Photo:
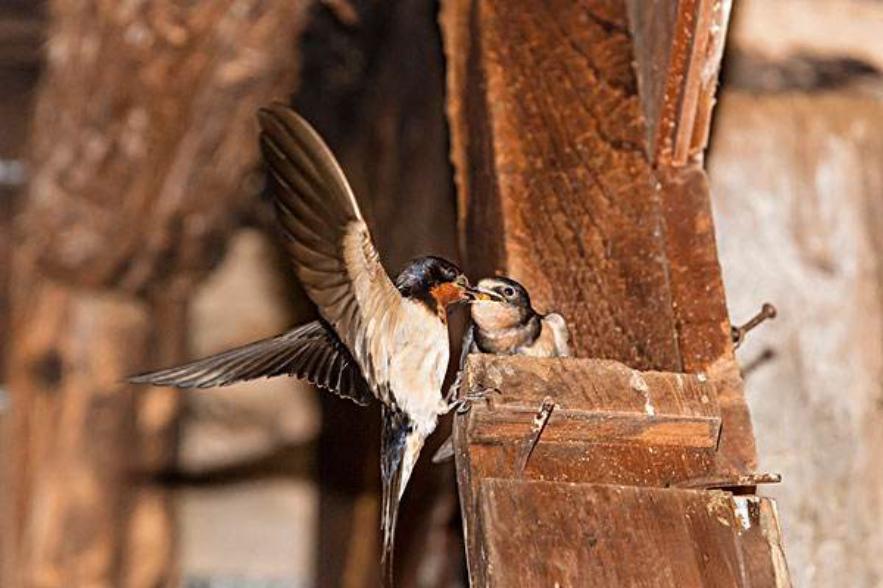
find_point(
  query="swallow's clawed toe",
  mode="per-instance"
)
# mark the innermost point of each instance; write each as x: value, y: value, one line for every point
x: 464, y: 404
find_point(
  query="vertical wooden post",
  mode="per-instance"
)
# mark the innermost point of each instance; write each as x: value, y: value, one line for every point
x: 578, y: 131
x: 20, y: 39
x: 143, y: 136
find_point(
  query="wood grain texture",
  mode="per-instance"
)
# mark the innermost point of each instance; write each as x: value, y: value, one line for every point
x: 612, y: 424
x: 678, y: 49
x: 142, y: 141
x: 595, y: 401
x: 588, y: 385
x: 761, y: 542
x: 578, y: 130
x: 702, y: 324
x: 136, y: 177
x: 701, y: 321
x: 577, y: 535
x: 555, y: 187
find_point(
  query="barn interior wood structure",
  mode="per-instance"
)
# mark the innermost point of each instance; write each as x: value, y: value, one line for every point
x: 653, y: 170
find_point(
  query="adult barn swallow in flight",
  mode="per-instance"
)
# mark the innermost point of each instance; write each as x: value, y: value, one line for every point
x: 504, y: 322
x: 375, y: 339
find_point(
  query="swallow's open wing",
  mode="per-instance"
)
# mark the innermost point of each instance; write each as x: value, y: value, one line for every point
x: 329, y: 243
x: 311, y: 352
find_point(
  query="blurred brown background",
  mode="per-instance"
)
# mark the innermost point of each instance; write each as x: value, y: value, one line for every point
x: 141, y: 238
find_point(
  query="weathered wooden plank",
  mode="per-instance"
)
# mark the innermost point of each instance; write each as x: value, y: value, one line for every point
x: 589, y: 384
x: 601, y: 462
x: 596, y: 401
x: 761, y: 542
x: 699, y: 303
x: 678, y: 48
x: 733, y: 482
x: 580, y: 176
x: 555, y: 187
x: 546, y: 534
x: 579, y: 426
x: 611, y: 424
x: 625, y: 251
x: 701, y: 322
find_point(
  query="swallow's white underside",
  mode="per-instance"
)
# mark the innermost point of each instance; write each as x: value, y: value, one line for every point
x: 418, y: 365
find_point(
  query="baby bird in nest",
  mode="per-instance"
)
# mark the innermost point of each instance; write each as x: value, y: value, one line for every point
x: 505, y: 323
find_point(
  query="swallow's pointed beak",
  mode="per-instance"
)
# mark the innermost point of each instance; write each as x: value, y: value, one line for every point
x: 477, y: 294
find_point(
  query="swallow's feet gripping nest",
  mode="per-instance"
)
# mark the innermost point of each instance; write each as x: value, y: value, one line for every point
x: 463, y: 404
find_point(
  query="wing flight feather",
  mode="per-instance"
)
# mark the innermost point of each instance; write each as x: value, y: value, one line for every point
x: 311, y: 352
x: 330, y: 244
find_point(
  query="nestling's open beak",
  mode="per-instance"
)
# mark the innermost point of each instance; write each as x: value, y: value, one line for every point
x: 476, y: 294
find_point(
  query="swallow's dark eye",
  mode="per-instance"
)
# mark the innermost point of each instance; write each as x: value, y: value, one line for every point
x: 508, y: 292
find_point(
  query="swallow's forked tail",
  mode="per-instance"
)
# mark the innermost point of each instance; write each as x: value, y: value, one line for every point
x: 399, y: 448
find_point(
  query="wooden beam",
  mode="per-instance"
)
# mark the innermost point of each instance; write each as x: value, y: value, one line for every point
x: 678, y: 48
x: 580, y: 175
x: 579, y: 535
x: 555, y: 187
x: 610, y: 424
x: 142, y: 140
x: 595, y: 401
x: 550, y: 141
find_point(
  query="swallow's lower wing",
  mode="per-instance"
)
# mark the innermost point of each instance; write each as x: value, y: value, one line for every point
x: 330, y: 245
x: 311, y: 352
x: 560, y: 333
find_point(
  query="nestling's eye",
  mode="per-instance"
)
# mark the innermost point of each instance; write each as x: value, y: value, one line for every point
x: 461, y: 281
x: 508, y: 292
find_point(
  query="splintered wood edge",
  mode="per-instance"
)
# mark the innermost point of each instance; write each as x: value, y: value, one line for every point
x: 678, y: 55
x: 730, y: 482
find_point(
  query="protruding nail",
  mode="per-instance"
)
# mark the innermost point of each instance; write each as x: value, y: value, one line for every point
x: 767, y: 311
